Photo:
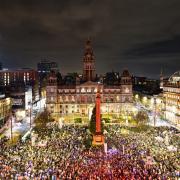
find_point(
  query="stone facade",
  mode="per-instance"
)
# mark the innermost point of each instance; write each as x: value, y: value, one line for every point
x: 68, y: 95
x: 171, y: 94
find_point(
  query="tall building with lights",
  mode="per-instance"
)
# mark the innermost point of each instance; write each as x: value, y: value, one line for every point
x: 5, y: 109
x: 25, y: 76
x: 44, y: 68
x: 171, y: 94
x: 88, y: 63
x: 77, y: 94
x: 15, y: 83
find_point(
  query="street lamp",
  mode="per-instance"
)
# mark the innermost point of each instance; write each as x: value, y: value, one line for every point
x: 11, y: 130
x: 12, y: 114
x: 127, y: 118
x: 30, y: 109
x: 108, y: 109
x: 144, y: 100
x: 136, y: 97
x: 154, y: 110
x: 118, y: 111
x: 163, y: 107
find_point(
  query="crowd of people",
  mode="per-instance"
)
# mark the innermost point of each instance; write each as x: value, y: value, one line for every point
x: 64, y: 154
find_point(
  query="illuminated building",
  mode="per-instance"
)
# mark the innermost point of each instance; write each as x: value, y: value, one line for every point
x: 44, y: 68
x: 88, y: 63
x: 5, y: 109
x: 15, y: 83
x: 10, y: 77
x: 146, y: 86
x: 171, y: 94
x: 77, y: 94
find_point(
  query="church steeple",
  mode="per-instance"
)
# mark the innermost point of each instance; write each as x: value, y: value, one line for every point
x: 161, y: 79
x: 88, y: 62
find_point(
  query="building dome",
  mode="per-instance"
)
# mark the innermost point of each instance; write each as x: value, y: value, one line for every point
x: 175, y: 77
x: 125, y: 73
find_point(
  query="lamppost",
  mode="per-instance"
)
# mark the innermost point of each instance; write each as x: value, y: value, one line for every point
x: 107, y: 101
x: 154, y: 110
x: 176, y: 112
x: 3, y: 114
x: 30, y: 113
x: 73, y: 111
x: 30, y: 118
x: 136, y: 98
x: 11, y: 130
x: 118, y: 111
x: 164, y: 106
x: 12, y: 114
x: 127, y: 118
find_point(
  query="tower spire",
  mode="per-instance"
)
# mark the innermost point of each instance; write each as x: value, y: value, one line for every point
x: 88, y: 62
x: 161, y: 74
x: 161, y: 79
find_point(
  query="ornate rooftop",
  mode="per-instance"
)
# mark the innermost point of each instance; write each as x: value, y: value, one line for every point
x: 175, y: 77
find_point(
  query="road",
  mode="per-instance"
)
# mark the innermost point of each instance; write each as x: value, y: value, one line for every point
x: 23, y: 126
x: 19, y: 127
x: 158, y: 120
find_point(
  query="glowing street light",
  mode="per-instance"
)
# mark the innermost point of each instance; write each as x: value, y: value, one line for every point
x: 155, y: 110
x: 145, y: 99
x: 136, y: 96
x: 134, y: 110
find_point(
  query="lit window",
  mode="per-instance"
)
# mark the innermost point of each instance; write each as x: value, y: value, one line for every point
x: 83, y: 90
x: 89, y: 90
x: 73, y: 98
x: 66, y: 90
x: 117, y: 98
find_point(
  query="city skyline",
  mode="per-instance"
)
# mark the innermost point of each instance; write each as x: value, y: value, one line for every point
x: 141, y: 36
x: 89, y: 89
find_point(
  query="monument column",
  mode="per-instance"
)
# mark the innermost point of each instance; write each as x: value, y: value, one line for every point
x: 98, y: 113
x: 98, y: 138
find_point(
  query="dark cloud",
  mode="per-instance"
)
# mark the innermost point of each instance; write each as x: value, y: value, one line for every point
x: 139, y: 35
x: 169, y: 47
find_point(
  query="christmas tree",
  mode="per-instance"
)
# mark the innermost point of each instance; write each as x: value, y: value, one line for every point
x: 92, y: 123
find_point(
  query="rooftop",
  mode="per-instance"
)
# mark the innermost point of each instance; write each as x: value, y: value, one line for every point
x: 175, y: 78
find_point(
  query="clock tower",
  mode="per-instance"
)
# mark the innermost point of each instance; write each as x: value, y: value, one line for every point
x: 88, y: 63
x: 126, y: 86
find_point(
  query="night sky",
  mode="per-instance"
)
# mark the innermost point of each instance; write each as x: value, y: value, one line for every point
x: 141, y: 35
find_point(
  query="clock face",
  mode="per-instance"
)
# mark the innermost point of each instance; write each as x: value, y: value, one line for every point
x: 126, y: 90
